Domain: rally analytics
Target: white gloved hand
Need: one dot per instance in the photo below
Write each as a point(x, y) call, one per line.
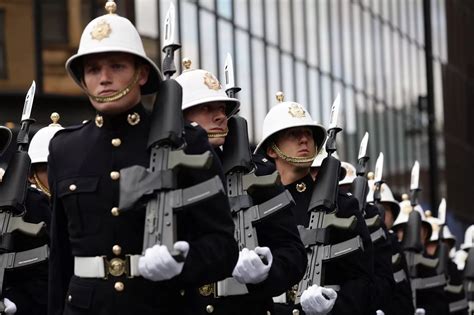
point(2, 172)
point(318, 300)
point(10, 307)
point(379, 312)
point(157, 264)
point(420, 311)
point(250, 268)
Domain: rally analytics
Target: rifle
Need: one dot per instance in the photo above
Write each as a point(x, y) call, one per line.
point(442, 250)
point(13, 191)
point(159, 183)
point(5, 139)
point(469, 280)
point(360, 189)
point(241, 184)
point(322, 208)
point(379, 233)
point(411, 243)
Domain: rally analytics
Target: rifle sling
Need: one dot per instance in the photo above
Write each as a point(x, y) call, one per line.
point(429, 282)
point(458, 305)
point(378, 235)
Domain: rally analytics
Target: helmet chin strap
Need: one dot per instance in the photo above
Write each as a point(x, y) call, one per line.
point(117, 95)
point(217, 134)
point(40, 185)
point(295, 160)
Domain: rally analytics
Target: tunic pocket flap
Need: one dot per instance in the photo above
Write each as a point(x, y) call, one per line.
point(79, 295)
point(76, 185)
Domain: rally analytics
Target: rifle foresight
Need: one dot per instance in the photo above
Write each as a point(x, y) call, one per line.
point(331, 141)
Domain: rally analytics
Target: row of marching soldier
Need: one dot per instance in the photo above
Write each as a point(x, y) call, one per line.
point(170, 212)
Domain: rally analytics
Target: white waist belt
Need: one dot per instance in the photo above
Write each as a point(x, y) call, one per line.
point(101, 267)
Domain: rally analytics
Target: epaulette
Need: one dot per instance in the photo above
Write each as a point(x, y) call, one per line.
point(71, 128)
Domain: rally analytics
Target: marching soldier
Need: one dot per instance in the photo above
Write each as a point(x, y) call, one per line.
point(454, 289)
point(291, 139)
point(95, 261)
point(401, 300)
point(382, 250)
point(432, 300)
point(206, 103)
point(28, 288)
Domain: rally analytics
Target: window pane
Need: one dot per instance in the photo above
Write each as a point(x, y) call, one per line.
point(301, 95)
point(209, 4)
point(336, 39)
point(256, 15)
point(323, 31)
point(258, 78)
point(54, 21)
point(3, 57)
point(271, 20)
point(285, 26)
point(243, 74)
point(314, 93)
point(208, 42)
point(298, 20)
point(288, 77)
point(146, 18)
point(225, 45)
point(224, 8)
point(240, 14)
point(368, 52)
point(347, 41)
point(189, 34)
point(311, 31)
point(356, 36)
point(273, 67)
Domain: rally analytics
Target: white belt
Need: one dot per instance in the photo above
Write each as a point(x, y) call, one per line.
point(101, 267)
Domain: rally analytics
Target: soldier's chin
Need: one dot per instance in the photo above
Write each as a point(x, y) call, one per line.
point(217, 141)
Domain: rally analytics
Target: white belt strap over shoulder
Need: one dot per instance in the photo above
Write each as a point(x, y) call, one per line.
point(101, 267)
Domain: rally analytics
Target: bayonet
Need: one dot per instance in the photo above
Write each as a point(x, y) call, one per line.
point(335, 112)
point(415, 183)
point(363, 146)
point(28, 105)
point(230, 87)
point(169, 44)
point(333, 127)
point(169, 38)
point(378, 169)
point(362, 158)
point(442, 212)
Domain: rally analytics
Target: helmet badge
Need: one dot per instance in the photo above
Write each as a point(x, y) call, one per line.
point(296, 111)
point(211, 82)
point(101, 30)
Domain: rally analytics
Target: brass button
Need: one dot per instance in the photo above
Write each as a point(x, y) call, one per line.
point(69, 298)
point(133, 119)
point(114, 175)
point(119, 286)
point(182, 292)
point(301, 187)
point(116, 142)
point(209, 309)
point(99, 121)
point(296, 312)
point(115, 211)
point(72, 187)
point(117, 250)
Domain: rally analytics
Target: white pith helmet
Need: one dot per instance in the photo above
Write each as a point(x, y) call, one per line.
point(405, 209)
point(436, 224)
point(112, 33)
point(468, 238)
point(385, 195)
point(201, 87)
point(287, 115)
point(350, 173)
point(39, 145)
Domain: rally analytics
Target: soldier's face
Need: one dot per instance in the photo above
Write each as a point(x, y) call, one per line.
point(108, 73)
point(389, 219)
point(211, 117)
point(296, 142)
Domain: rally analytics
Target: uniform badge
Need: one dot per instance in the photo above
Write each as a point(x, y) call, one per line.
point(211, 82)
point(99, 121)
point(206, 289)
point(133, 119)
point(301, 187)
point(296, 111)
point(101, 30)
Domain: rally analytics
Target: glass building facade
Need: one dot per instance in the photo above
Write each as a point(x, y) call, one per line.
point(372, 52)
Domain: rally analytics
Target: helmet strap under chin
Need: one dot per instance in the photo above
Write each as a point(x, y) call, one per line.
point(295, 160)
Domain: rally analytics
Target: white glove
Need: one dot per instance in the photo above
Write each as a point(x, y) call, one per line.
point(157, 264)
point(250, 268)
point(10, 307)
point(379, 312)
point(420, 311)
point(318, 300)
point(2, 172)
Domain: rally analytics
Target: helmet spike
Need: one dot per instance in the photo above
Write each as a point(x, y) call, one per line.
point(110, 7)
point(187, 63)
point(279, 96)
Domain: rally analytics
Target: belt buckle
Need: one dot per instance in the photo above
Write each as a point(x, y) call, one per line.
point(116, 266)
point(209, 289)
